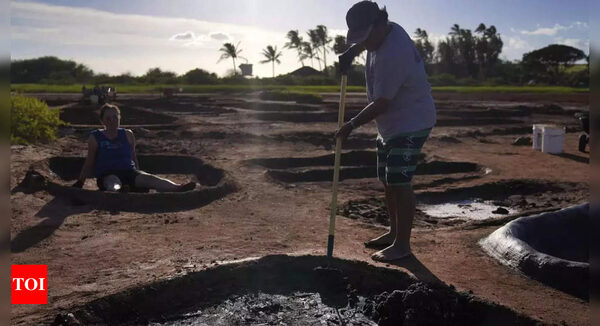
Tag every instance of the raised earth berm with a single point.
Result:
(443, 121)
(326, 140)
(277, 106)
(482, 112)
(130, 116)
(346, 159)
(335, 106)
(190, 105)
(552, 248)
(547, 109)
(302, 116)
(354, 165)
(323, 139)
(56, 174)
(292, 290)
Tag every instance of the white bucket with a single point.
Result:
(552, 139)
(537, 136)
(94, 99)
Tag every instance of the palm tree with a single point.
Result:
(315, 43)
(309, 52)
(424, 46)
(339, 44)
(421, 33)
(324, 39)
(481, 45)
(231, 51)
(446, 55)
(481, 28)
(488, 47)
(295, 42)
(272, 56)
(455, 30)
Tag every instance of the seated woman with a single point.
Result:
(111, 156)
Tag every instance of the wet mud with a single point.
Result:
(302, 290)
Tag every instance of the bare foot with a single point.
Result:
(383, 240)
(393, 252)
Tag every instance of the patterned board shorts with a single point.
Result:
(397, 157)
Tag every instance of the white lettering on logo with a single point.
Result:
(28, 284)
(19, 280)
(35, 283)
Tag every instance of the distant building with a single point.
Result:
(246, 69)
(305, 71)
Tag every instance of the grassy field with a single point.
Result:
(42, 88)
(576, 68)
(511, 89)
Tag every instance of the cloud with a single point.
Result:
(193, 40)
(515, 46)
(219, 36)
(551, 31)
(583, 45)
(113, 43)
(517, 43)
(436, 38)
(183, 36)
(580, 25)
(332, 32)
(545, 30)
(199, 41)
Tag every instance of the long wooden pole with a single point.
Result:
(336, 168)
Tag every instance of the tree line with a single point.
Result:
(463, 57)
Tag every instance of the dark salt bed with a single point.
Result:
(274, 309)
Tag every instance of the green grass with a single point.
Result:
(511, 89)
(576, 68)
(42, 88)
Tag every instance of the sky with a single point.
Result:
(133, 36)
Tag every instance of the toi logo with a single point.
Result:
(29, 284)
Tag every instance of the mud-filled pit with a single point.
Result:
(353, 165)
(285, 290)
(552, 248)
(481, 112)
(476, 203)
(300, 116)
(179, 105)
(180, 168)
(56, 175)
(316, 138)
(504, 109)
(327, 140)
(442, 121)
(271, 106)
(90, 115)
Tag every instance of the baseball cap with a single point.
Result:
(360, 19)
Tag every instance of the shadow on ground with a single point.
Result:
(54, 213)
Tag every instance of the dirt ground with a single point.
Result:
(283, 206)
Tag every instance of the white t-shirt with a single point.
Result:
(396, 72)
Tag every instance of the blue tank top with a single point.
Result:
(112, 154)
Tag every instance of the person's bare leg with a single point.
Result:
(112, 183)
(387, 238)
(405, 200)
(146, 180)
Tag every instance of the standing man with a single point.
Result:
(400, 101)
